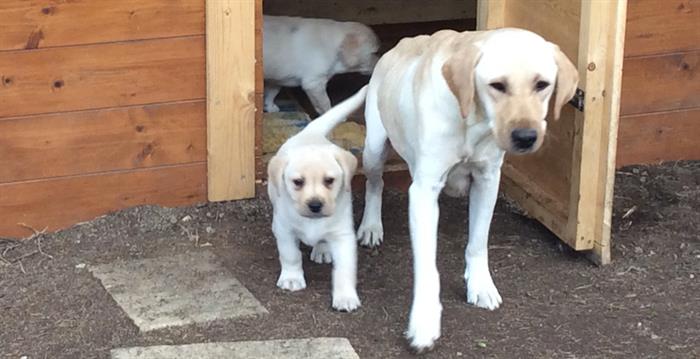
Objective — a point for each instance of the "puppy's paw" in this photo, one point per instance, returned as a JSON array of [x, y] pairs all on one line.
[[291, 282], [481, 291], [424, 327], [271, 108], [321, 253], [370, 235], [346, 302]]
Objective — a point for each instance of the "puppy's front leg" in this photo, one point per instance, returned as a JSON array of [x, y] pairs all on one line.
[[426, 310], [482, 199], [316, 90], [292, 273], [344, 253]]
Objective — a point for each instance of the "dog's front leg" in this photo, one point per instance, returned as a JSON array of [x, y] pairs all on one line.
[[292, 273], [316, 90], [482, 199], [344, 253], [426, 310]]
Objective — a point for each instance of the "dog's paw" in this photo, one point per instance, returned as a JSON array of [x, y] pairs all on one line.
[[424, 327], [346, 302], [271, 108], [291, 282], [370, 235], [321, 253], [481, 291]]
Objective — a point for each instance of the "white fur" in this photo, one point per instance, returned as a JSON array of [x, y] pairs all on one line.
[[410, 103], [308, 52], [332, 237]]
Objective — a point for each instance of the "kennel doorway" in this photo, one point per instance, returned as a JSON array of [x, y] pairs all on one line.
[[568, 184]]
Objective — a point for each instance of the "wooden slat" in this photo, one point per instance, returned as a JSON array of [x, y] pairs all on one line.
[[593, 171], [231, 63], [59, 203], [100, 76], [84, 142], [662, 26], [657, 137], [661, 83], [555, 20], [260, 168], [39, 24], [373, 11], [490, 14]]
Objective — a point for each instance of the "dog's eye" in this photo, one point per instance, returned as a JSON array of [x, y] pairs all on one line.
[[541, 85], [328, 181], [498, 86], [299, 182]]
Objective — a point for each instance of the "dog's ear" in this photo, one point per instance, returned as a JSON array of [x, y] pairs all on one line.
[[348, 162], [458, 71], [275, 173], [567, 80], [350, 50]]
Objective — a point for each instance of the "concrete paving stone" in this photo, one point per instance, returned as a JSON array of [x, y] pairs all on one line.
[[176, 290], [314, 348]]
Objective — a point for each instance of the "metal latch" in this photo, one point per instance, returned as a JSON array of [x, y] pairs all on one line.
[[578, 99]]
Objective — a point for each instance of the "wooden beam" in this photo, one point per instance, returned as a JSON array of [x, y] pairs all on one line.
[[490, 14], [231, 60], [600, 63]]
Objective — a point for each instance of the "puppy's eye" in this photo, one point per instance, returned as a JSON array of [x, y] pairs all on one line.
[[328, 181], [299, 182], [541, 85], [498, 86]]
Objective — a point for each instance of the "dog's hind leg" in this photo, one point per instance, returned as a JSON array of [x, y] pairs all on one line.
[[271, 91], [371, 231]]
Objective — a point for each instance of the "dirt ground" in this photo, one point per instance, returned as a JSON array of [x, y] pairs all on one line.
[[556, 303]]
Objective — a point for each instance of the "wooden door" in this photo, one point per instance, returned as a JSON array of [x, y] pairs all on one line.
[[568, 184]]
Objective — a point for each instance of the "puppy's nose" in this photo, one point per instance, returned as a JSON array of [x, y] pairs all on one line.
[[314, 205], [523, 138]]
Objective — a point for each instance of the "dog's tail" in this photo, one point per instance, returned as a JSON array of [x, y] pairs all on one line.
[[325, 123]]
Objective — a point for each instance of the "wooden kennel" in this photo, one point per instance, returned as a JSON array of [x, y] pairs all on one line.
[[111, 104]]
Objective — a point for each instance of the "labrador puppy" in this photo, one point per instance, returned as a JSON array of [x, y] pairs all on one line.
[[309, 187], [452, 104], [308, 52]]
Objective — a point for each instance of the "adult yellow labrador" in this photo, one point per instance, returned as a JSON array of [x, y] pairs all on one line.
[[452, 104]]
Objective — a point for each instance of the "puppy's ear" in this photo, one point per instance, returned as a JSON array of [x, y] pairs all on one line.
[[348, 162], [458, 71], [275, 173], [350, 50], [567, 80]]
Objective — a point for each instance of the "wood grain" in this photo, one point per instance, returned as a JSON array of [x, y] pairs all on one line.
[[557, 21], [661, 83], [662, 26], [62, 202], [657, 137], [101, 76], [40, 24], [103, 140], [231, 54], [593, 172]]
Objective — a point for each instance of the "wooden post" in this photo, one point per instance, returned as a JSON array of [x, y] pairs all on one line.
[[600, 58], [231, 73]]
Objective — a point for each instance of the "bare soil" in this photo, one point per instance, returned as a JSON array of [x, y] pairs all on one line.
[[556, 303]]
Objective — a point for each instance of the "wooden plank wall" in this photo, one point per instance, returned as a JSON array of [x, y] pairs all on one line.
[[102, 107], [661, 82]]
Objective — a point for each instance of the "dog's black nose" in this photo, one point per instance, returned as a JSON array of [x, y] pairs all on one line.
[[523, 138], [315, 205]]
